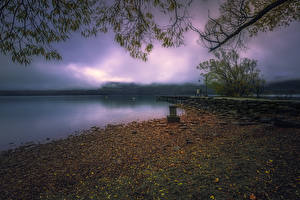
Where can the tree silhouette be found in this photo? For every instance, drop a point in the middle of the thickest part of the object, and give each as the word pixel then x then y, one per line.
pixel 231 75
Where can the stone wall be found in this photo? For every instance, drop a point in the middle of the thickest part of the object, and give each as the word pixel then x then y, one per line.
pixel 243 109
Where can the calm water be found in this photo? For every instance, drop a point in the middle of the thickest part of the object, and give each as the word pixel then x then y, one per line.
pixel 25 119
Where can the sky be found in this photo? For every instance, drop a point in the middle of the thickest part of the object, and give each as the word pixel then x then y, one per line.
pixel 89 63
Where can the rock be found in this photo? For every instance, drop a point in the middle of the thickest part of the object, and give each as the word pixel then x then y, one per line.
pixel 110 126
pixel 265 120
pixel 119 161
pixel 286 123
pixel 232 112
pixel 245 119
pixel 166 146
pixel 215 134
pixel 256 116
pixel 176 148
pixel 173 119
pixel 30 143
pixel 94 128
pixel 189 141
pixel 235 123
pixel 183 126
pixel 243 123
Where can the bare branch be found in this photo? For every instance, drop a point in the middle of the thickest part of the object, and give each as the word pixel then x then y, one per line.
pixel 236 17
pixel 252 21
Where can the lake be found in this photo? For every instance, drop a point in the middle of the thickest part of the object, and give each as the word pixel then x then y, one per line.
pixel 25 119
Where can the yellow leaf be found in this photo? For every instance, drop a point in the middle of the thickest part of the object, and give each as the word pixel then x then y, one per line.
pixel 252 197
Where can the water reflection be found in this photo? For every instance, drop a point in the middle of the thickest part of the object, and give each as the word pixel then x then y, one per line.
pixel 24 119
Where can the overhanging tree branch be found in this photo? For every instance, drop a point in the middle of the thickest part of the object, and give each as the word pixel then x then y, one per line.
pixel 28 28
pixel 252 21
pixel 237 16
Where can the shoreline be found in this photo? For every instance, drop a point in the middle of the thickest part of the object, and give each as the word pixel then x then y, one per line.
pixel 77 133
pixel 127 161
pixel 56 118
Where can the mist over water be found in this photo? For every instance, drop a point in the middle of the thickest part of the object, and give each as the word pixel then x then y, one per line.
pixel 31 118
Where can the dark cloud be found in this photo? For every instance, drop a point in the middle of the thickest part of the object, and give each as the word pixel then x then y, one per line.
pixel 48 76
pixel 277 53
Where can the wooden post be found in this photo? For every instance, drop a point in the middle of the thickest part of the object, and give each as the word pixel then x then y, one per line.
pixel 172 118
pixel 173 111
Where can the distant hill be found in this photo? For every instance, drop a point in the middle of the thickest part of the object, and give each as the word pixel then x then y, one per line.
pixel 150 89
pixel 283 87
pixel 288 87
pixel 115 88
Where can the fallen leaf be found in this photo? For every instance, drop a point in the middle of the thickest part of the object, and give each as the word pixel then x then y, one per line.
pixel 252 197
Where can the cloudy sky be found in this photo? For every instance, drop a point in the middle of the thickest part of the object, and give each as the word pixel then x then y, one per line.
pixel 88 63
